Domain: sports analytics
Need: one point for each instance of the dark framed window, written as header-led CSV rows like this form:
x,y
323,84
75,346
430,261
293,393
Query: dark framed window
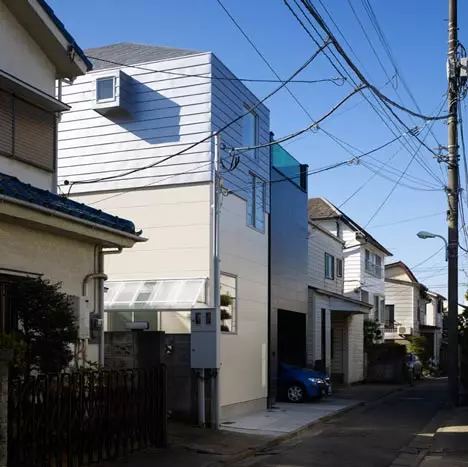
x,y
339,267
329,266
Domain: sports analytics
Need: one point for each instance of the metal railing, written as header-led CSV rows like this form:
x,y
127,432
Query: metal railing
x,y
83,418
391,326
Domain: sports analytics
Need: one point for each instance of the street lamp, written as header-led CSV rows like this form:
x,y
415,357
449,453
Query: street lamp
x,y
452,313
423,234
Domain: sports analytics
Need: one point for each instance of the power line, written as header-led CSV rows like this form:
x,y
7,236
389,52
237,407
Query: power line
x,y
335,80
420,161
268,64
303,130
210,136
312,10
411,219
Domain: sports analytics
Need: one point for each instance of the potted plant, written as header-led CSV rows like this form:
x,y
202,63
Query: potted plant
x,y
226,300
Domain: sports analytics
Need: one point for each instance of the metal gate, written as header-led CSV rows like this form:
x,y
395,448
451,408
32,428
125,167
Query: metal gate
x,y
78,419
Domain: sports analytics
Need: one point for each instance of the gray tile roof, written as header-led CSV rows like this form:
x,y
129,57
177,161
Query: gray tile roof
x,y
320,208
130,53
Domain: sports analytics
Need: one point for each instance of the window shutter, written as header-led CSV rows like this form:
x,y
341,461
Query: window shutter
x,y
6,123
34,135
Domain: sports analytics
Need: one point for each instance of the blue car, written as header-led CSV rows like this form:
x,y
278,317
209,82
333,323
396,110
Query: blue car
x,y
298,384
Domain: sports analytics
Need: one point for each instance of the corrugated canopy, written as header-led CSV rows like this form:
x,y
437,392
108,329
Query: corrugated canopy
x,y
159,294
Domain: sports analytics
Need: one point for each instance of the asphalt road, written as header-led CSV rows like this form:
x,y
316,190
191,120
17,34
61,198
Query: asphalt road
x,y
371,436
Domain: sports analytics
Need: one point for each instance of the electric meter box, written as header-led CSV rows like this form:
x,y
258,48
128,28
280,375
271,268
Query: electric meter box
x,y
204,339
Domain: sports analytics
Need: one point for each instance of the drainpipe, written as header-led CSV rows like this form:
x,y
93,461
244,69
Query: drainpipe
x,y
102,278
99,303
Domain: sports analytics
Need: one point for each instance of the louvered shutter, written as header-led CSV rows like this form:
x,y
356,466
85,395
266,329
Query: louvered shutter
x,y
6,123
34,135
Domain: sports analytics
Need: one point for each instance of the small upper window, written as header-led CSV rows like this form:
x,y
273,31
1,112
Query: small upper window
x,y
250,131
105,89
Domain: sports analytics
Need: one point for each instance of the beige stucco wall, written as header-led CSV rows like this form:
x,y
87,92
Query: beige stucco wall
x,y
176,222
58,258
21,56
244,253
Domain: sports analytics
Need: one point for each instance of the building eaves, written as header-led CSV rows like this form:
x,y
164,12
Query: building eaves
x,y
13,188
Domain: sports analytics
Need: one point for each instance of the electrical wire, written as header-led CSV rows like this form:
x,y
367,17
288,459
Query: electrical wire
x,y
268,64
210,136
318,18
303,130
335,80
404,221
379,102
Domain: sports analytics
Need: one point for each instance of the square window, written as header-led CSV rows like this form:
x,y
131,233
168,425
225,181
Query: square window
x,y
105,89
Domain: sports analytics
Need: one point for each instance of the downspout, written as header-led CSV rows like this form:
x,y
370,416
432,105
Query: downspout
x,y
101,280
271,389
100,277
58,117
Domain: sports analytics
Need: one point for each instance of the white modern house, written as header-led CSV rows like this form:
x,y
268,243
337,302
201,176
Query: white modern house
x,y
346,286
137,142
43,234
406,301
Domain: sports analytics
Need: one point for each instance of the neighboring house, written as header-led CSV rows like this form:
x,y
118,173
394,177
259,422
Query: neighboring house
x,y
335,333
406,300
44,234
433,327
140,115
364,256
288,264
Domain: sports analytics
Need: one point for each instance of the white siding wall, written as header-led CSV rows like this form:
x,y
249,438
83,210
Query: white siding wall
x,y
356,348
229,100
317,302
21,56
169,114
244,356
319,244
402,297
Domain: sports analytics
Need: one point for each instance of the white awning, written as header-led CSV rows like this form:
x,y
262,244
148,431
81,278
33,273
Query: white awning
x,y
157,295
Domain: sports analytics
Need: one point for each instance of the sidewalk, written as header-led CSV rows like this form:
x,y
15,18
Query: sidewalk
x,y
450,444
195,447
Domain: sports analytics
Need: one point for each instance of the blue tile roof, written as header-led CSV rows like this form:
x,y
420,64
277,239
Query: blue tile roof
x,y
13,188
66,34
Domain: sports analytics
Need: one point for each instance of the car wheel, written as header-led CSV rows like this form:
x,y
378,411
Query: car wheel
x,y
295,393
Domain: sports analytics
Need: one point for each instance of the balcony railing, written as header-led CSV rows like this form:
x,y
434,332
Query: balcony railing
x,y
391,326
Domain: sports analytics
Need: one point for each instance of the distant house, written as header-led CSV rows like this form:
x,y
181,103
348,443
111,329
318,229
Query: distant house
x,y
346,286
128,146
44,234
433,326
406,301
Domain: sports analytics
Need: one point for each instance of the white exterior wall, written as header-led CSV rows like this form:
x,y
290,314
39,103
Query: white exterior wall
x,y
317,302
21,56
403,298
244,356
319,244
176,222
169,114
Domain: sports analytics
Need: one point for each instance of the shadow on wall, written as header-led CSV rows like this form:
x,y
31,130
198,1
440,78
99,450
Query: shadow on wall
x,y
154,117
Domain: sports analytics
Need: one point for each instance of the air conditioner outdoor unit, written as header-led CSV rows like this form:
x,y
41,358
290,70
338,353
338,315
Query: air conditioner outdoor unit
x,y
402,330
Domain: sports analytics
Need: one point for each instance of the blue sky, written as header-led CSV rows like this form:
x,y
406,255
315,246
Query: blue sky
x,y
416,33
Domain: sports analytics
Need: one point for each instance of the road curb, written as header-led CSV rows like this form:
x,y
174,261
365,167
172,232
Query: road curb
x,y
413,454
253,451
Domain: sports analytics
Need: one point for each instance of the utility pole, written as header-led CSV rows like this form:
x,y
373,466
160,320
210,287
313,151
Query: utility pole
x,y
452,191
